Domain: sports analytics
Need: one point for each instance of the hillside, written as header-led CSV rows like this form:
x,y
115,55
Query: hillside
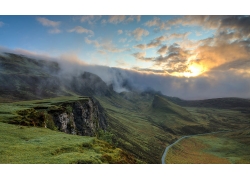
x,y
49,134
222,103
144,124
161,104
138,125
32,145
23,78
220,148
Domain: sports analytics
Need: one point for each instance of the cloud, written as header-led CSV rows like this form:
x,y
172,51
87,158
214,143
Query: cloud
x,y
217,83
94,42
141,56
91,19
172,36
139,32
178,36
163,50
220,22
228,48
1,23
161,38
158,41
132,18
116,19
156,22
105,46
210,22
141,46
47,22
121,63
80,30
119,31
153,44
73,58
234,65
221,52
148,70
175,59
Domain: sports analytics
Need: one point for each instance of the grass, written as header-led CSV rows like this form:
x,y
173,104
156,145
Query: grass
x,y
133,130
135,125
32,145
145,130
142,129
8,111
221,148
220,119
27,144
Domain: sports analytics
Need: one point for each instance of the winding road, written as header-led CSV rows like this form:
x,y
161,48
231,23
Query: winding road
x,y
183,137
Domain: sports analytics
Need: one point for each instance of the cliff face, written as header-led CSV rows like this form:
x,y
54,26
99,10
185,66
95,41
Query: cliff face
x,y
81,118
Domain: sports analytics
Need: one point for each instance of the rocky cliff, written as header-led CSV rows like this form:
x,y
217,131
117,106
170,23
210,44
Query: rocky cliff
x,y
82,117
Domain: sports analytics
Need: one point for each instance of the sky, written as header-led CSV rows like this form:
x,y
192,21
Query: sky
x,y
190,54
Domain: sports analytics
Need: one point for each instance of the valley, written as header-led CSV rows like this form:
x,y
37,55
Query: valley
x,y
53,117
217,148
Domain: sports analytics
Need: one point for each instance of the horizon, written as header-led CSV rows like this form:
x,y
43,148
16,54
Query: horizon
x,y
191,57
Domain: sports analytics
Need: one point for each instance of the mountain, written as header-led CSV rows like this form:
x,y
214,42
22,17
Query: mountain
x,y
222,103
161,104
140,123
23,78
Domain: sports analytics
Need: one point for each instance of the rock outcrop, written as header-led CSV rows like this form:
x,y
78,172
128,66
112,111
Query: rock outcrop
x,y
83,118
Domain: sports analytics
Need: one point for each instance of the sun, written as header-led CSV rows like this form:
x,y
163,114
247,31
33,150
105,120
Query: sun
x,y
194,70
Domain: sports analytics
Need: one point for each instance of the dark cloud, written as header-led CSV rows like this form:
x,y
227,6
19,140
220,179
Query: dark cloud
x,y
174,53
221,22
239,23
163,50
229,43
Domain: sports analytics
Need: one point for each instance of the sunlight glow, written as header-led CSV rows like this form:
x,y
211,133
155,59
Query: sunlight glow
x,y
194,70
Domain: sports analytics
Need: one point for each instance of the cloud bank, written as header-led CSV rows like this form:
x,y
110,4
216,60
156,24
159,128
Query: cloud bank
x,y
225,81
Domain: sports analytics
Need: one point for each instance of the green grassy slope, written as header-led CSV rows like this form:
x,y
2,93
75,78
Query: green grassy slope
x,y
145,124
9,111
227,147
140,123
220,103
32,145
132,129
27,144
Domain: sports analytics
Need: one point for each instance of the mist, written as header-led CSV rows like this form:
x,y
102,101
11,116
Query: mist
x,y
212,84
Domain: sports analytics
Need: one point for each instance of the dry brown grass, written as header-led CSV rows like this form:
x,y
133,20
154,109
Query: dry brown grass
x,y
191,151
